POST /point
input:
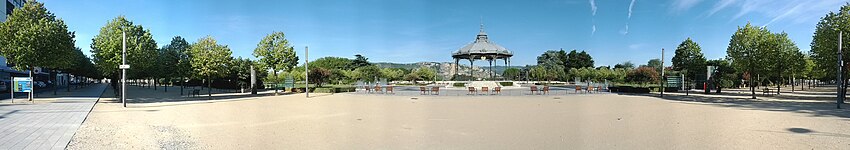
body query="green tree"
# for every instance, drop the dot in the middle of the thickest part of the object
(107, 49)
(359, 61)
(643, 75)
(628, 65)
(240, 70)
(319, 76)
(275, 53)
(511, 74)
(209, 59)
(655, 63)
(724, 75)
(392, 74)
(177, 55)
(747, 49)
(368, 73)
(332, 63)
(689, 59)
(824, 46)
(578, 60)
(33, 37)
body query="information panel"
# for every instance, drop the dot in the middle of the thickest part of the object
(22, 84)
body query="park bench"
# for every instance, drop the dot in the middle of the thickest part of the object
(423, 90)
(590, 89)
(497, 90)
(578, 88)
(485, 90)
(378, 89)
(390, 89)
(767, 91)
(471, 90)
(533, 89)
(545, 90)
(435, 90)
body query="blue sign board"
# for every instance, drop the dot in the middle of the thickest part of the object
(21, 84)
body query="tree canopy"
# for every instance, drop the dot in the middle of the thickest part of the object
(689, 59)
(33, 37)
(209, 59)
(107, 48)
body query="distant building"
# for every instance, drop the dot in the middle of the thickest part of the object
(10, 5)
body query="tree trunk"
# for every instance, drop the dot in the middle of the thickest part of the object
(165, 87)
(275, 84)
(182, 84)
(54, 74)
(68, 84)
(209, 87)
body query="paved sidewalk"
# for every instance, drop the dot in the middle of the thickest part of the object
(49, 123)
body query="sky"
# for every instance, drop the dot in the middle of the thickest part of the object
(408, 31)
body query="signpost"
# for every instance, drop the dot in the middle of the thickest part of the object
(21, 84)
(124, 68)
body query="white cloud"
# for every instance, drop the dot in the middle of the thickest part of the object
(682, 5)
(631, 5)
(796, 11)
(625, 31)
(636, 46)
(593, 7)
(593, 31)
(720, 6)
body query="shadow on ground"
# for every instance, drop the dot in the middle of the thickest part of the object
(814, 108)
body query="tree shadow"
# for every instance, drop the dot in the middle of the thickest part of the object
(812, 108)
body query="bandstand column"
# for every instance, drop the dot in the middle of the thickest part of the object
(490, 71)
(470, 69)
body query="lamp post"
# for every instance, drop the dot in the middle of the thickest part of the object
(663, 78)
(306, 73)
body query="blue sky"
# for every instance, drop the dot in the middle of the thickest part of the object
(407, 31)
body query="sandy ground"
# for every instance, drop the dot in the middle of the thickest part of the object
(358, 121)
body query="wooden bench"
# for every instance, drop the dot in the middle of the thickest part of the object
(485, 90)
(497, 90)
(389, 89)
(471, 90)
(378, 89)
(435, 90)
(766, 91)
(533, 89)
(578, 88)
(545, 90)
(422, 90)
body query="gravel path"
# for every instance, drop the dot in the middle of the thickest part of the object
(359, 121)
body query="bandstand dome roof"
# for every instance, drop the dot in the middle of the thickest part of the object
(482, 46)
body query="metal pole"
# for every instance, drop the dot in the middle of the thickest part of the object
(32, 86)
(840, 79)
(306, 72)
(12, 90)
(663, 78)
(124, 71)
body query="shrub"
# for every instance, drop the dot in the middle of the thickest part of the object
(459, 84)
(506, 83)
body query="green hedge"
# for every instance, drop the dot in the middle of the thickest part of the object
(334, 89)
(459, 84)
(506, 83)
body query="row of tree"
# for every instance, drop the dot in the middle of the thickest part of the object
(33, 37)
